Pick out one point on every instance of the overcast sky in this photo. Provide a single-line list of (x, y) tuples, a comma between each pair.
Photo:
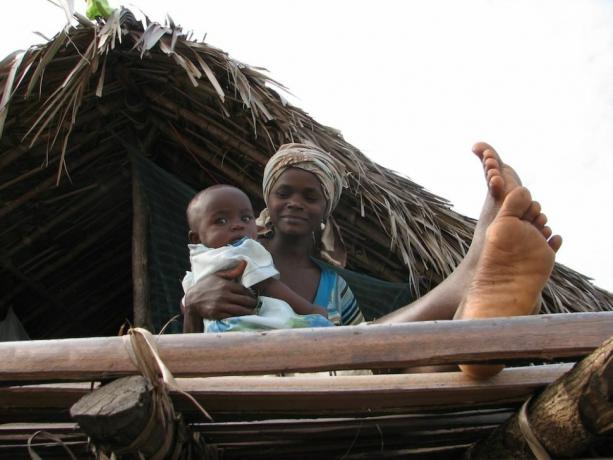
[(414, 84)]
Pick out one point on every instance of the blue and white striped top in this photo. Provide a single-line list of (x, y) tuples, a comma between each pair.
[(336, 297)]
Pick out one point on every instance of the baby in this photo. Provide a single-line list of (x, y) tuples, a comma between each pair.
[(222, 232)]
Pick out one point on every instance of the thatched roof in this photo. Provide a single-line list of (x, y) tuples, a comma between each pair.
[(76, 110)]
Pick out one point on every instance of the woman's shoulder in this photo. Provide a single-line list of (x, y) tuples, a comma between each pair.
[(332, 277), (327, 268)]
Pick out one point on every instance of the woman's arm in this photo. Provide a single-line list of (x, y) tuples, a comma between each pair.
[(272, 287), (214, 297)]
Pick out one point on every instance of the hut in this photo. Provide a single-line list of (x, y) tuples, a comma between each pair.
[(108, 129)]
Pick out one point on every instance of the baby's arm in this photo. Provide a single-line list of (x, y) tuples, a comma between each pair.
[(272, 287)]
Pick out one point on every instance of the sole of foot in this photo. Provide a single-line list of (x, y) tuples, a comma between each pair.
[(515, 263)]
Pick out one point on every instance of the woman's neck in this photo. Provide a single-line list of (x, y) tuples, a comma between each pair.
[(294, 250)]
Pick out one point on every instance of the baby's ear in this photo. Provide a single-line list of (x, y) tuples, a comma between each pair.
[(193, 237)]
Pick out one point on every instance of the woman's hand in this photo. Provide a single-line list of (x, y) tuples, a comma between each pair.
[(216, 297)]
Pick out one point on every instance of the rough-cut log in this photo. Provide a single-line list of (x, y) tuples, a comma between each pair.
[(355, 347), (124, 416), (566, 418)]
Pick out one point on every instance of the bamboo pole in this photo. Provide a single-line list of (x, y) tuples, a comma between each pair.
[(349, 347)]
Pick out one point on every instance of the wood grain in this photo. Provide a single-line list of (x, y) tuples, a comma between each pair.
[(352, 347)]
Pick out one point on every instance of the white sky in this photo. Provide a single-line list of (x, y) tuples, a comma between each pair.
[(415, 84)]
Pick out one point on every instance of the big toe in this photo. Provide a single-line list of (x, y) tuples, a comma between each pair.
[(516, 203), (480, 147)]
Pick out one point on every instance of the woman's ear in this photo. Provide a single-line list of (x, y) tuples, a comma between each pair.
[(193, 237)]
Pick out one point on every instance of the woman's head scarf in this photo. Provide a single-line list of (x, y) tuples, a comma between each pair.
[(331, 175), (329, 171)]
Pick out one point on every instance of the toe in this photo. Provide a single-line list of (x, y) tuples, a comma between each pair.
[(481, 147), (555, 242), (496, 186), (540, 221), (490, 164), (517, 202), (533, 212)]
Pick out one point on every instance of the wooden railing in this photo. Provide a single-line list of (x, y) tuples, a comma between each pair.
[(541, 337)]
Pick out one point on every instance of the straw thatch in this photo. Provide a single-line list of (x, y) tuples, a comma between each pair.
[(73, 111)]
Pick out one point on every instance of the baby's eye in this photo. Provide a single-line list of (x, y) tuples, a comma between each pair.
[(221, 221), (247, 218)]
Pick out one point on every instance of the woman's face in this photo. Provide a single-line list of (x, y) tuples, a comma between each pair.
[(296, 203)]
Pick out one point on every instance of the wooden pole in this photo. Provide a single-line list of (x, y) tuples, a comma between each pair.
[(140, 261), (566, 418), (343, 393), (348, 347)]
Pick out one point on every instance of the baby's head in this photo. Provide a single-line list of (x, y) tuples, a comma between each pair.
[(219, 215)]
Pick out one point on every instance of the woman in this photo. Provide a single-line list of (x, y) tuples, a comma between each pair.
[(302, 186), (508, 262)]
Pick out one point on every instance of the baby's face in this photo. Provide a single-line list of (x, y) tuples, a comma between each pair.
[(226, 216)]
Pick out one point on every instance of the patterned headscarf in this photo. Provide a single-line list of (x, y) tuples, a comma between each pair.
[(331, 176), (329, 171)]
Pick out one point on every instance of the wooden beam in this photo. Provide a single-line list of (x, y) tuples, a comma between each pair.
[(565, 419), (349, 347), (128, 416), (363, 394), (140, 261)]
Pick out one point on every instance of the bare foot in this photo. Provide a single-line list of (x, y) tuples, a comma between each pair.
[(515, 264), (500, 179)]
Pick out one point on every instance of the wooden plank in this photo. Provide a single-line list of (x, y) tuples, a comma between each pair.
[(324, 395), (350, 347), (364, 394)]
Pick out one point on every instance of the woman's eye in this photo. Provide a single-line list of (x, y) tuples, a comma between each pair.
[(282, 194)]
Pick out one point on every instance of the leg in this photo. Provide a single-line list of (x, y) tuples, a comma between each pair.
[(515, 264), (442, 301)]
